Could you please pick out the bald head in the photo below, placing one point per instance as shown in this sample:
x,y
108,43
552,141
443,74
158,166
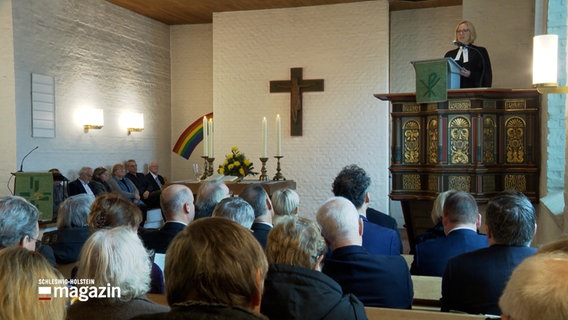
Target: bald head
x,y
176,201
340,223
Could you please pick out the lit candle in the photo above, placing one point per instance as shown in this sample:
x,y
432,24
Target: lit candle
x,y
205,139
264,135
278,136
211,138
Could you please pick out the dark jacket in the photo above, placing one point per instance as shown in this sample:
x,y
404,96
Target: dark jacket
x,y
260,232
159,240
67,243
377,280
431,257
292,292
380,240
474,281
204,311
479,65
94,309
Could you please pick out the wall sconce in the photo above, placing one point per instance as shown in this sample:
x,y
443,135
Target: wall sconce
x,y
92,119
545,64
134,122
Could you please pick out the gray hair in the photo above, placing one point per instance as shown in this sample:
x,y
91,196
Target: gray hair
x,y
256,196
208,195
285,202
235,209
339,220
460,207
511,219
110,256
173,202
18,218
74,211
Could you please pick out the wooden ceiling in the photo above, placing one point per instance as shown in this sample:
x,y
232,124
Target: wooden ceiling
x,y
174,12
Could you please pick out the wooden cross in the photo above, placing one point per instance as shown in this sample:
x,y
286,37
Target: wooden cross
x,y
296,86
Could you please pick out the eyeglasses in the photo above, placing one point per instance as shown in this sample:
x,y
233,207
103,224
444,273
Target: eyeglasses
x,y
462,31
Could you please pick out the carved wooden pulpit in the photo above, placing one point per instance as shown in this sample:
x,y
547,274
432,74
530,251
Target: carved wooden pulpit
x,y
482,141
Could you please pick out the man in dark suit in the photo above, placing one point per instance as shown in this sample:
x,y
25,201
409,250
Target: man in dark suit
x,y
474,281
139,180
461,220
177,206
377,280
82,184
257,197
155,182
353,184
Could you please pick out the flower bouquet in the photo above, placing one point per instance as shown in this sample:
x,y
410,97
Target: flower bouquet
x,y
236,164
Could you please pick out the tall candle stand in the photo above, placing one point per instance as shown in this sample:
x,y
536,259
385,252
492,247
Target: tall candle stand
x,y
278,175
210,172
205,168
263,176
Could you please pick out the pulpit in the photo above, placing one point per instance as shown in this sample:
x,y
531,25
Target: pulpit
x,y
482,141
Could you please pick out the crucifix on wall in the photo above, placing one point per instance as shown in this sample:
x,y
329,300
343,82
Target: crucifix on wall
x,y
296,86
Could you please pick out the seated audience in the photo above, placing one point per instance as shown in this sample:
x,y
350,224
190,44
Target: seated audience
x,y
208,195
377,280
154,180
138,178
110,210
285,202
118,183
177,206
461,219
100,181
474,281
436,214
83,183
257,197
215,269
72,228
20,272
19,226
294,287
59,190
537,288
235,209
116,258
353,184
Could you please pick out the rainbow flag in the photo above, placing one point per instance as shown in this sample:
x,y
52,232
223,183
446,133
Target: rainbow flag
x,y
190,137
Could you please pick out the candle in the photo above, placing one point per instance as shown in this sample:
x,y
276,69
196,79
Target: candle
x,y
278,136
205,139
211,138
264,135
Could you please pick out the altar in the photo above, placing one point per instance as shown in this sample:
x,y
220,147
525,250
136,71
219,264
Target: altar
x,y
482,141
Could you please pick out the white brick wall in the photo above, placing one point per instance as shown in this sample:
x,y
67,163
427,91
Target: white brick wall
x,y
101,56
347,46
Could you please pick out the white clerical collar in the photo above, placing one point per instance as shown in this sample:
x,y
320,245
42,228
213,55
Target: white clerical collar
x,y
465,52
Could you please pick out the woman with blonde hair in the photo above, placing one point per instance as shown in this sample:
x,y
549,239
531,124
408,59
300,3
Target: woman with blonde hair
x,y
21,271
115,258
295,287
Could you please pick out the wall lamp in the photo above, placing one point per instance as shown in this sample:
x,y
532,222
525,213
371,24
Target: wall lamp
x,y
134,122
92,119
545,64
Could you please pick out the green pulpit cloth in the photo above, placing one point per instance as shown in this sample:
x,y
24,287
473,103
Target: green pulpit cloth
x,y
37,188
434,78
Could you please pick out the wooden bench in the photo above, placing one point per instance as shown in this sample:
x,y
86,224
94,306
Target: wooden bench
x,y
398,314
427,292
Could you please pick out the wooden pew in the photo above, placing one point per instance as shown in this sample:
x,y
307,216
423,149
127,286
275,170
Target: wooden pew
x,y
398,314
158,298
427,292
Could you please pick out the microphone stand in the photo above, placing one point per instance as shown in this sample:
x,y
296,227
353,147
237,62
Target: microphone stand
x,y
22,163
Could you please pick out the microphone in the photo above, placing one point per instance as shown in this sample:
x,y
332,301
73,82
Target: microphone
x,y
22,164
460,44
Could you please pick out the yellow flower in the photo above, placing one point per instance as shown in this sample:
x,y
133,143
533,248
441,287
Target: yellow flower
x,y
225,163
237,164
247,162
234,149
242,171
221,171
229,156
230,167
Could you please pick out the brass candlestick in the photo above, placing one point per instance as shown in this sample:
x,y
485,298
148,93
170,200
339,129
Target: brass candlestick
x,y
263,176
278,175
210,172
205,168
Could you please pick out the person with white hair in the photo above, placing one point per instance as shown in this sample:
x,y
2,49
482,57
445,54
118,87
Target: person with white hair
x,y
235,209
377,280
